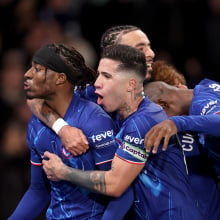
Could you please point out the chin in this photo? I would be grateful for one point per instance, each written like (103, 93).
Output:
(29, 97)
(108, 109)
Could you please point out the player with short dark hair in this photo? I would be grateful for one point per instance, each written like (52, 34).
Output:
(73, 138)
(160, 180)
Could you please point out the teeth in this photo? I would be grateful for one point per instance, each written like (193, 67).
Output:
(149, 65)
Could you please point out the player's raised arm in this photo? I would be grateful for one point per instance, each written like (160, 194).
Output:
(162, 131)
(72, 138)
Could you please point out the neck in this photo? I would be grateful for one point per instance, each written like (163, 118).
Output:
(129, 107)
(60, 103)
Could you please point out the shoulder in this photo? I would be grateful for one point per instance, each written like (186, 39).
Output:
(207, 86)
(149, 111)
(37, 131)
(206, 97)
(94, 117)
(146, 116)
(34, 122)
(85, 108)
(88, 93)
(151, 107)
(93, 111)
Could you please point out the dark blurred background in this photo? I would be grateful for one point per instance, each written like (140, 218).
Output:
(186, 33)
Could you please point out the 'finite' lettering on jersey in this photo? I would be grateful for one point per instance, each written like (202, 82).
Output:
(101, 136)
(134, 140)
(208, 107)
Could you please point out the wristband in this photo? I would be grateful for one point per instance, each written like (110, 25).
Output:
(58, 124)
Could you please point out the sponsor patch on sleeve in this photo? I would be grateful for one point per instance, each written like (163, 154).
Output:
(138, 154)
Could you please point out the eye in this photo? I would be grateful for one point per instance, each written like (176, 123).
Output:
(141, 49)
(38, 68)
(106, 75)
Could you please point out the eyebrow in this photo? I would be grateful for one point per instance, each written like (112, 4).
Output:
(105, 73)
(142, 44)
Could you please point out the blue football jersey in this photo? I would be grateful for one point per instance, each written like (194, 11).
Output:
(88, 93)
(69, 201)
(201, 176)
(162, 189)
(206, 101)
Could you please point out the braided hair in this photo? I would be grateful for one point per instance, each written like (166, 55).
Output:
(75, 61)
(112, 35)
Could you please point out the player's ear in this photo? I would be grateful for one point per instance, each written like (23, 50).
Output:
(162, 103)
(132, 84)
(61, 78)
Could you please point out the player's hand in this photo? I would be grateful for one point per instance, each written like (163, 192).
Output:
(53, 166)
(163, 130)
(74, 140)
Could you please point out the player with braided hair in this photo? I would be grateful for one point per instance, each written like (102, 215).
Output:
(112, 35)
(132, 36)
(73, 138)
(56, 70)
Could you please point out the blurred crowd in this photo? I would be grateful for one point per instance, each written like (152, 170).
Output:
(185, 33)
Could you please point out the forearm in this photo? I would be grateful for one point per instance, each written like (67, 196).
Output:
(113, 182)
(47, 115)
(102, 182)
(207, 124)
(72, 138)
(43, 111)
(92, 180)
(96, 181)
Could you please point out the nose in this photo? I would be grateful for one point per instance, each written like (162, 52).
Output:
(97, 83)
(149, 53)
(152, 53)
(28, 73)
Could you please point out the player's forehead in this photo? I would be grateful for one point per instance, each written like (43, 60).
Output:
(134, 38)
(108, 65)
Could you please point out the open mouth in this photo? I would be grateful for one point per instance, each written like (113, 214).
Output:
(99, 99)
(149, 62)
(26, 86)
